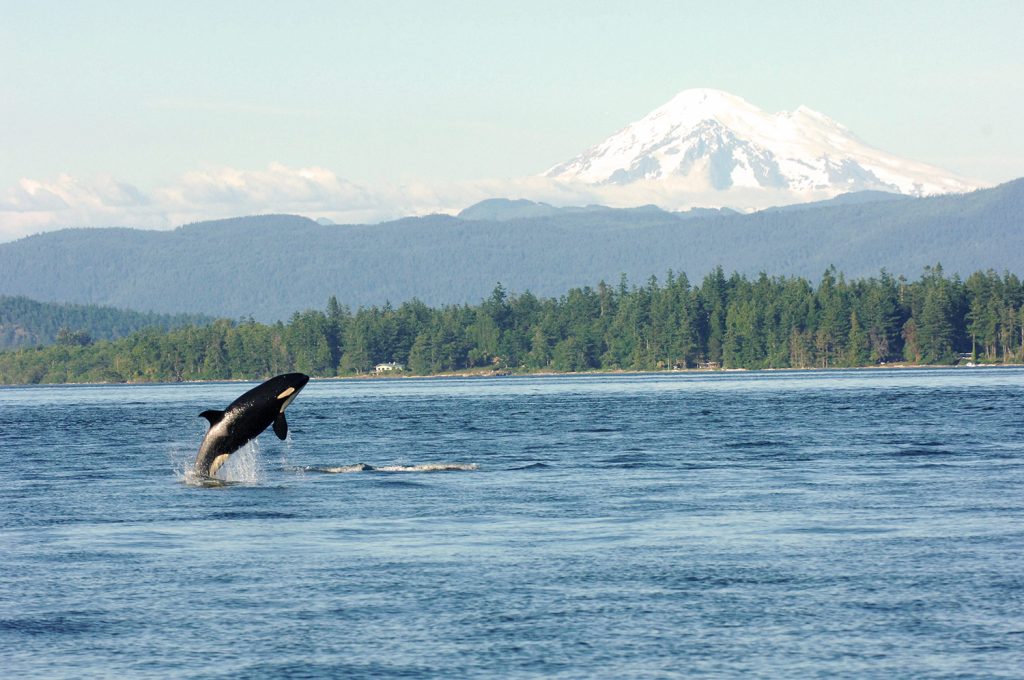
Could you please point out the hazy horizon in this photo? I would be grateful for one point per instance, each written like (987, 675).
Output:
(151, 116)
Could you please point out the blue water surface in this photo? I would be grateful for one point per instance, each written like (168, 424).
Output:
(779, 524)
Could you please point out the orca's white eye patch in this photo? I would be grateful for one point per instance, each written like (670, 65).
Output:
(288, 392)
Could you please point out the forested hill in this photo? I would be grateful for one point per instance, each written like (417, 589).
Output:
(734, 322)
(270, 266)
(28, 323)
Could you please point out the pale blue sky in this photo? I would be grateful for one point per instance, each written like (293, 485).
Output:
(144, 92)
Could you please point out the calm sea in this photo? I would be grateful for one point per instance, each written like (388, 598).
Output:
(863, 524)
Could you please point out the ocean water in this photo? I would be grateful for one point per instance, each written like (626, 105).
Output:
(861, 524)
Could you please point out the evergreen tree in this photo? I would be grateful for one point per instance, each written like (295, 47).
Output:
(713, 299)
(935, 327)
(857, 351)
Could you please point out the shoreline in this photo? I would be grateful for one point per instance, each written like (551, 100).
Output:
(499, 373)
(480, 373)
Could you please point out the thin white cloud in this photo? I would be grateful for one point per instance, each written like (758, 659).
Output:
(275, 188)
(209, 193)
(43, 205)
(33, 206)
(67, 193)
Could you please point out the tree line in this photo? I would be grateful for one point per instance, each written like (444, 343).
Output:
(724, 321)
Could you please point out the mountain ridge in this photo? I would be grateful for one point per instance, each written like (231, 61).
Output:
(271, 266)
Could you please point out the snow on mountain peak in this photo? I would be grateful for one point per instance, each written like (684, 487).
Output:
(703, 103)
(706, 139)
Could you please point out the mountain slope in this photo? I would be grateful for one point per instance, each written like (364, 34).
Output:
(271, 266)
(710, 140)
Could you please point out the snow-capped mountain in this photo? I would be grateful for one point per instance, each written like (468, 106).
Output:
(708, 140)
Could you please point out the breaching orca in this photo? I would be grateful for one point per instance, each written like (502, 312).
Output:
(245, 418)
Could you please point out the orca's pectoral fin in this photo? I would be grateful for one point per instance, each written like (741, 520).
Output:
(281, 426)
(213, 416)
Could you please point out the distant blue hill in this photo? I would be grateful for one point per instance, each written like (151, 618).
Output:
(28, 323)
(504, 209)
(852, 198)
(273, 265)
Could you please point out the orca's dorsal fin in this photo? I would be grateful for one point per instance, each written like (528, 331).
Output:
(281, 426)
(213, 416)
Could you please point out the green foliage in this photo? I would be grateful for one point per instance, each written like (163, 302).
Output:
(28, 323)
(66, 336)
(769, 322)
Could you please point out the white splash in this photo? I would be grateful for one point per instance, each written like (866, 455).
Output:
(428, 467)
(244, 466)
(363, 467)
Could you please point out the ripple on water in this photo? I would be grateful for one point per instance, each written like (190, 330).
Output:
(762, 525)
